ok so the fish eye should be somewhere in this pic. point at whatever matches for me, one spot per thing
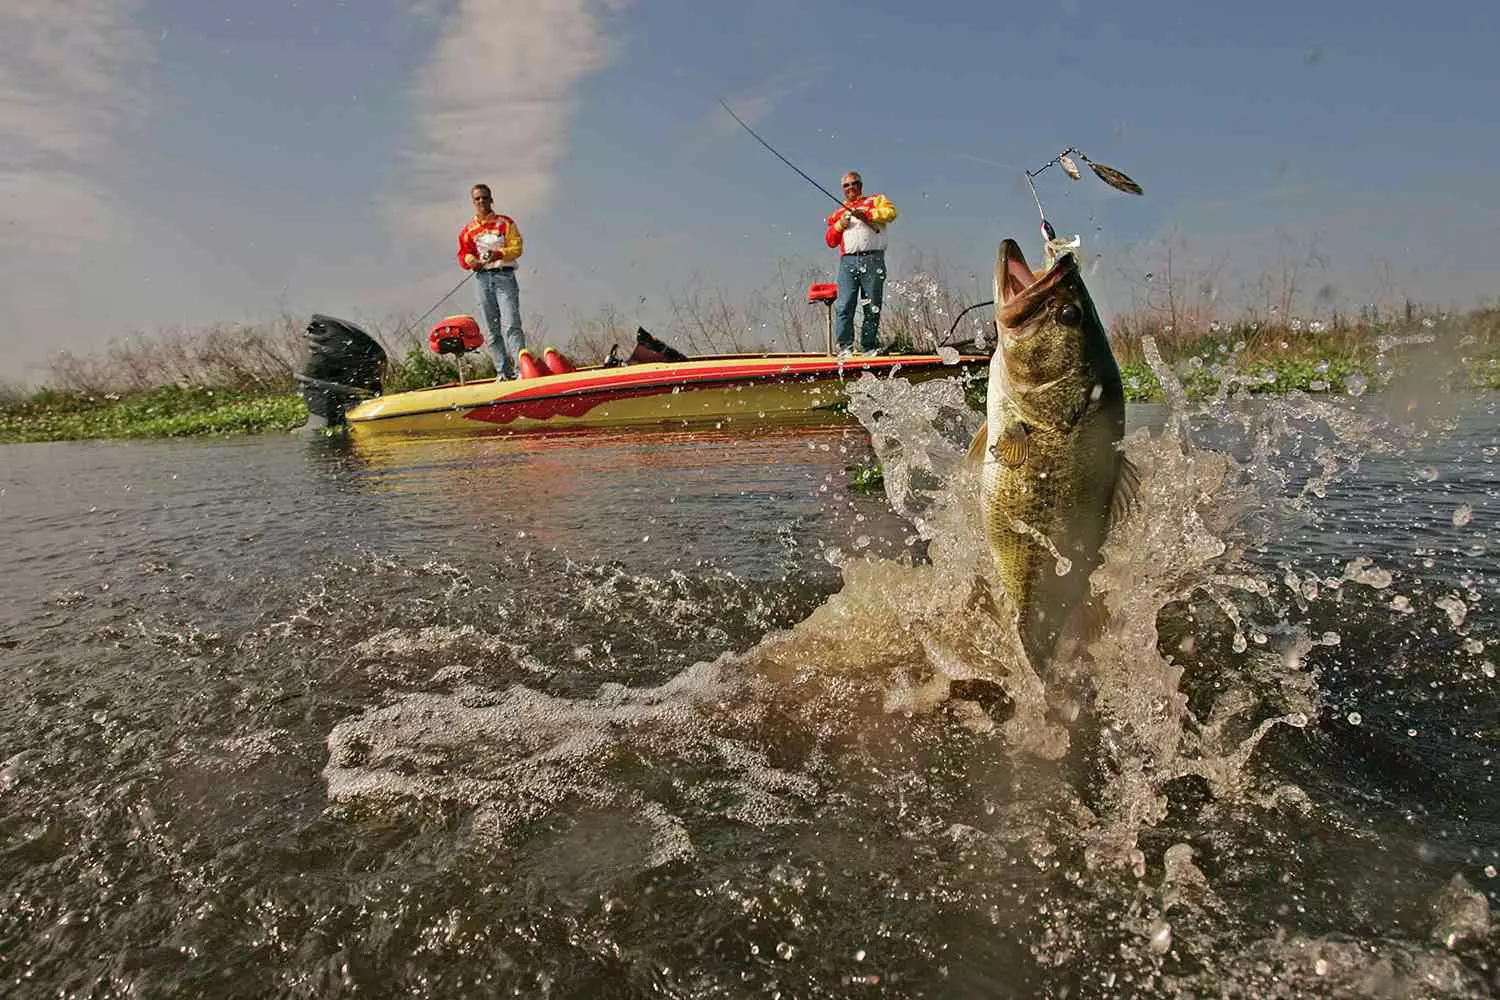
(1069, 315)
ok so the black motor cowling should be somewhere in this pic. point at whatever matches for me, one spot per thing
(649, 349)
(343, 366)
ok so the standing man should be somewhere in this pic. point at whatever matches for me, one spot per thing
(858, 231)
(489, 246)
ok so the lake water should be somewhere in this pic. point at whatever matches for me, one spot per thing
(666, 714)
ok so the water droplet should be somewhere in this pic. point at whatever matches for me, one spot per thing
(1355, 384)
(1489, 871)
(1457, 610)
(1463, 515)
(784, 950)
(1355, 718)
(1239, 642)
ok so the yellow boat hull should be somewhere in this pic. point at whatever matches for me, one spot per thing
(733, 388)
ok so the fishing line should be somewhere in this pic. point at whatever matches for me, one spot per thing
(967, 309)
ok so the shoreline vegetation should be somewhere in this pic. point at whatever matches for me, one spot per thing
(239, 379)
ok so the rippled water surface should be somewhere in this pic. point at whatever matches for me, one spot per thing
(682, 714)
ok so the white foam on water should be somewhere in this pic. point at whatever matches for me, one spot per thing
(519, 754)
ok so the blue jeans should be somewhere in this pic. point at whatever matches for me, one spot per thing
(860, 273)
(500, 301)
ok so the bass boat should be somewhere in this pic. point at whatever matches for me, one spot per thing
(655, 384)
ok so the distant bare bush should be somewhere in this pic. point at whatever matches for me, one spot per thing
(922, 305)
(593, 336)
(1176, 296)
(256, 357)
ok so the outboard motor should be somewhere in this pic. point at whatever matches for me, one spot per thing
(343, 366)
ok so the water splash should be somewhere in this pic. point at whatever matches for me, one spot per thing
(915, 721)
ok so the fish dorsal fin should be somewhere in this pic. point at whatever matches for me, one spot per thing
(1127, 492)
(975, 454)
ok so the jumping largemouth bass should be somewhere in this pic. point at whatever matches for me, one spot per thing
(1052, 478)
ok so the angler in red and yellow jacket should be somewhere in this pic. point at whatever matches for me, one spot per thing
(489, 245)
(857, 231)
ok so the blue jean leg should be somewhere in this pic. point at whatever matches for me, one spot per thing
(872, 283)
(843, 328)
(500, 301)
(860, 275)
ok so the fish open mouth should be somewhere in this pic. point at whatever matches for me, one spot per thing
(1020, 291)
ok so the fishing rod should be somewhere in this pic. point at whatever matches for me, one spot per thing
(446, 296)
(835, 198)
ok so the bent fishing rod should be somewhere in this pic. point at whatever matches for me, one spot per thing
(835, 198)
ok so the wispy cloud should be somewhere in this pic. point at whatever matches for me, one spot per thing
(70, 88)
(493, 104)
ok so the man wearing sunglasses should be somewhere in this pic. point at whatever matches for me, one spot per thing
(857, 231)
(489, 246)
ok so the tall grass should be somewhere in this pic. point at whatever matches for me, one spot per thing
(149, 380)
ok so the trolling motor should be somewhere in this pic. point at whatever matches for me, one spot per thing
(343, 366)
(455, 335)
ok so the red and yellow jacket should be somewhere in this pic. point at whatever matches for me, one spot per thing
(861, 236)
(499, 234)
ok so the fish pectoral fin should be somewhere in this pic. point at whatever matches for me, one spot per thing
(1127, 492)
(1014, 445)
(975, 455)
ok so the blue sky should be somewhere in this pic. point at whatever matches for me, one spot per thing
(176, 163)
